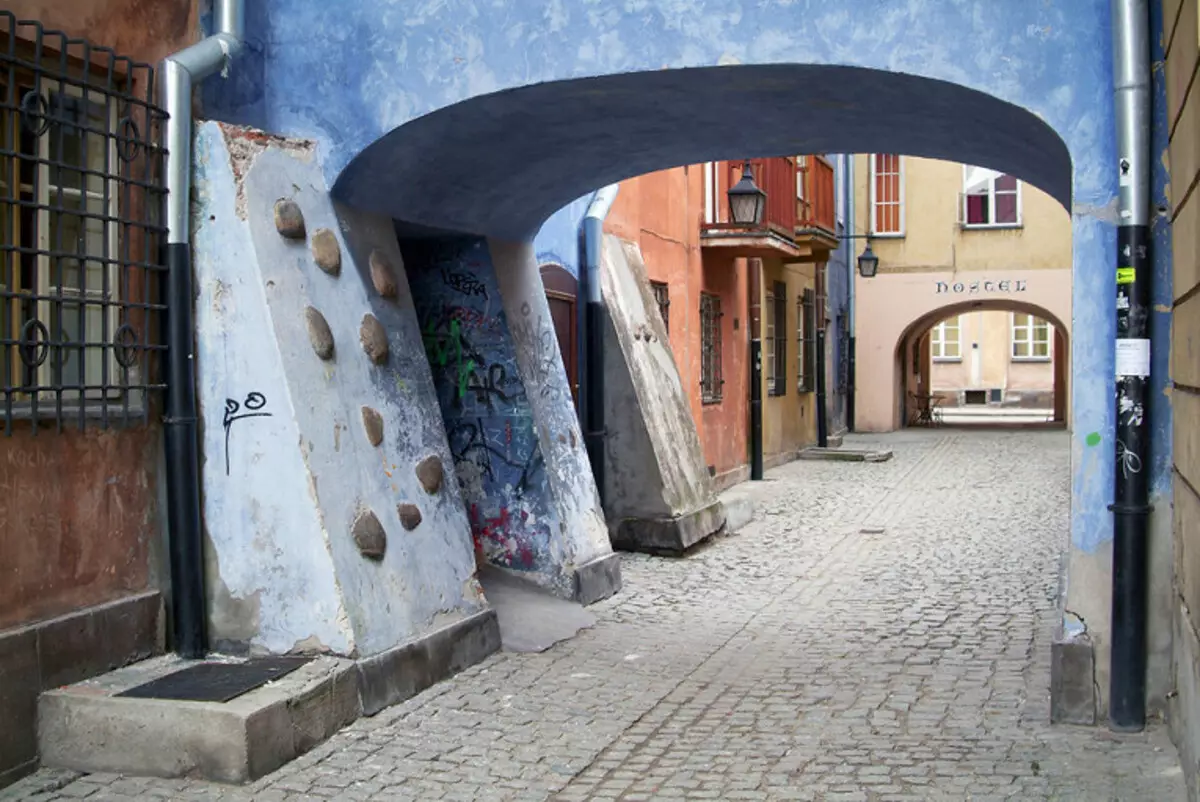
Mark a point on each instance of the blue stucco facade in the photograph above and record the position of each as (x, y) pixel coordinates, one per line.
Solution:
(489, 118)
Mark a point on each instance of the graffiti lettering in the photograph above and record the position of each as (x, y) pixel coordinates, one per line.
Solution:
(252, 407)
(468, 444)
(464, 283)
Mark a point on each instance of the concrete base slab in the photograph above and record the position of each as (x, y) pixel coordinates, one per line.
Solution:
(531, 620)
(87, 727)
(669, 535)
(1072, 681)
(847, 454)
(401, 673)
(598, 579)
(739, 508)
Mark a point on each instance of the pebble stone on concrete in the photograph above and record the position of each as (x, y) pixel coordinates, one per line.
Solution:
(801, 658)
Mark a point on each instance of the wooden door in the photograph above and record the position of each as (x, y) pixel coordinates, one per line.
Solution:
(562, 290)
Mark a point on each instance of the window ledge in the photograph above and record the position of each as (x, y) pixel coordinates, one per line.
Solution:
(710, 402)
(947, 359)
(893, 235)
(48, 412)
(1032, 359)
(991, 226)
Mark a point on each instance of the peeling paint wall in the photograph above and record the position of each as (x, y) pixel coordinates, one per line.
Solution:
(289, 464)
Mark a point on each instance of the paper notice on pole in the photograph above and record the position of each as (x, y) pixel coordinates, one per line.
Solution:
(1133, 358)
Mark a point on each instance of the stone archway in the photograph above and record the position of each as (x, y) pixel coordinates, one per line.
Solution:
(912, 352)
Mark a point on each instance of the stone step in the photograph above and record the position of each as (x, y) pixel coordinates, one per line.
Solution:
(88, 727)
(846, 454)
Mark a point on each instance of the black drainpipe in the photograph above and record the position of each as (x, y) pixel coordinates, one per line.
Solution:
(181, 437)
(1131, 507)
(592, 397)
(822, 420)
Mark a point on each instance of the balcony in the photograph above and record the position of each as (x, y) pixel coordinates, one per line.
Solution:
(798, 222)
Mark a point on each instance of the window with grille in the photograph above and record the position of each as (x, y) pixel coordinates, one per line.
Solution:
(945, 340)
(887, 194)
(711, 381)
(1030, 338)
(777, 339)
(80, 190)
(806, 335)
(990, 199)
(662, 296)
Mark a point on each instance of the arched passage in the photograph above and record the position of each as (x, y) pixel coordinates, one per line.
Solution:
(914, 358)
(461, 167)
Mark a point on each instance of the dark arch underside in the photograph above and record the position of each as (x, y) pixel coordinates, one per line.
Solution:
(498, 165)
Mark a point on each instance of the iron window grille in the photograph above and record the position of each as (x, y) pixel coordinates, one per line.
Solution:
(81, 190)
(662, 297)
(778, 302)
(806, 336)
(712, 383)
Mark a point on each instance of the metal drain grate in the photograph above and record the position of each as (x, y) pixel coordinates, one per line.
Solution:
(216, 682)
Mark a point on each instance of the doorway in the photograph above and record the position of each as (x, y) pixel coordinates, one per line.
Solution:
(562, 292)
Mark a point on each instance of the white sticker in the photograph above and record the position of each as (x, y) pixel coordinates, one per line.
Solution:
(1133, 358)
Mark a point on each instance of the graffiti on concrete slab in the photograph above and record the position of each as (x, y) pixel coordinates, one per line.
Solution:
(489, 423)
(531, 332)
(253, 406)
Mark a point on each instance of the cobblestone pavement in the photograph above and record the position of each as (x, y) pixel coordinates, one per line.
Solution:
(880, 632)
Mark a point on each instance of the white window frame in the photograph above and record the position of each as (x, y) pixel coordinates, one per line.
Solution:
(45, 375)
(1022, 331)
(873, 201)
(991, 193)
(938, 341)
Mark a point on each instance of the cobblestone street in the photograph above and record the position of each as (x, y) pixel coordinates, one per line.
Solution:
(879, 632)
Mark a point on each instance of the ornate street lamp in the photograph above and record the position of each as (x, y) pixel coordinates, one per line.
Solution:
(868, 262)
(747, 202)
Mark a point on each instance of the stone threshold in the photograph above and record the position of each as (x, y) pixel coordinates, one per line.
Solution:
(86, 727)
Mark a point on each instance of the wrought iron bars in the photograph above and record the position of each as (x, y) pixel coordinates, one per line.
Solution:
(80, 197)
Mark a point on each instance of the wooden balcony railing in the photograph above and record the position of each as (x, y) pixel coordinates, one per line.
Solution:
(815, 198)
(776, 176)
(800, 195)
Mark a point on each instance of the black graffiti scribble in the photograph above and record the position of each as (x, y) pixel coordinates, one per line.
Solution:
(468, 443)
(464, 283)
(253, 404)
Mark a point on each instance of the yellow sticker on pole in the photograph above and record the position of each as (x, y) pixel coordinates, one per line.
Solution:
(1125, 275)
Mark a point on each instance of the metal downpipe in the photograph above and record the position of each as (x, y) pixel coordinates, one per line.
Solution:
(1130, 508)
(592, 234)
(181, 437)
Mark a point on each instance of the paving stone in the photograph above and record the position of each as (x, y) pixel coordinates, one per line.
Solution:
(794, 661)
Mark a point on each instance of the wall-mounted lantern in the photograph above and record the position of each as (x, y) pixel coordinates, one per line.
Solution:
(747, 203)
(868, 262)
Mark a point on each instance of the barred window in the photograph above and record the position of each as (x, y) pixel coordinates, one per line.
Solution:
(777, 339)
(80, 189)
(662, 296)
(711, 381)
(806, 334)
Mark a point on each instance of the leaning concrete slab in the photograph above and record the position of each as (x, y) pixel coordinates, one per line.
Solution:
(658, 495)
(88, 727)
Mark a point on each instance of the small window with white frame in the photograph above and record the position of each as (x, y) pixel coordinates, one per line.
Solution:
(945, 340)
(887, 194)
(990, 199)
(1030, 338)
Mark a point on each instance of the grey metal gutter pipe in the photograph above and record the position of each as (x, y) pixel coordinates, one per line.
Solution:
(182, 449)
(1131, 496)
(592, 236)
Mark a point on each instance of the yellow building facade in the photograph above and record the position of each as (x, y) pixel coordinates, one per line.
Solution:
(972, 300)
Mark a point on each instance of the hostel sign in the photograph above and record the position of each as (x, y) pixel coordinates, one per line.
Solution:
(976, 287)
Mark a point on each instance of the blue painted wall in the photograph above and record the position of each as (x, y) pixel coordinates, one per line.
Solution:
(837, 288)
(488, 420)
